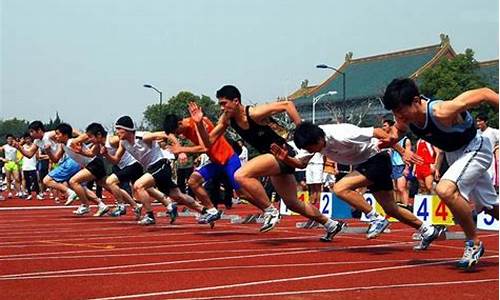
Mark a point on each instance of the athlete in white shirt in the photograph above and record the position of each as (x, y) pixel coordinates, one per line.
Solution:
(492, 135)
(11, 166)
(92, 169)
(352, 145)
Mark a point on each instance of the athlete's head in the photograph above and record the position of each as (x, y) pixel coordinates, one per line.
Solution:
(27, 138)
(403, 98)
(124, 127)
(10, 138)
(229, 98)
(387, 124)
(172, 124)
(309, 136)
(63, 132)
(482, 121)
(96, 133)
(36, 129)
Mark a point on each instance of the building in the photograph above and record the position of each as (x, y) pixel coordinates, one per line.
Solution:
(365, 81)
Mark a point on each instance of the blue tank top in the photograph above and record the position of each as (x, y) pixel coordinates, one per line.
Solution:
(445, 138)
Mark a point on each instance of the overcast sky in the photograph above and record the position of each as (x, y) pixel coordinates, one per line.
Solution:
(88, 59)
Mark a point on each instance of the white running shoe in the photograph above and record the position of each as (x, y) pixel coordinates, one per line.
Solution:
(271, 219)
(40, 196)
(146, 220)
(101, 211)
(71, 197)
(81, 210)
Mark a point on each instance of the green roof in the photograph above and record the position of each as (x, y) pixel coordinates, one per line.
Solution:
(368, 77)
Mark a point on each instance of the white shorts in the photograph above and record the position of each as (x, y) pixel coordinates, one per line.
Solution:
(314, 173)
(469, 171)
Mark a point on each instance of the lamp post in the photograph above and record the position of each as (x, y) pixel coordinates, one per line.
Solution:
(149, 86)
(316, 99)
(343, 85)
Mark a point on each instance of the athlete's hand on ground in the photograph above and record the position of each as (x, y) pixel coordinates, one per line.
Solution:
(279, 152)
(195, 112)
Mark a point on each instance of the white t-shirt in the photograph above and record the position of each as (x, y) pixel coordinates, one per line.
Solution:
(168, 154)
(146, 155)
(46, 140)
(10, 152)
(29, 164)
(492, 135)
(349, 144)
(82, 160)
(126, 159)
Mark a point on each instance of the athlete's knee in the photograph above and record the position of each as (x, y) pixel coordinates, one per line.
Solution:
(195, 181)
(139, 187)
(111, 180)
(340, 189)
(240, 176)
(445, 191)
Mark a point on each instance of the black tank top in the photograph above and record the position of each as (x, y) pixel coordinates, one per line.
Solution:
(457, 137)
(259, 136)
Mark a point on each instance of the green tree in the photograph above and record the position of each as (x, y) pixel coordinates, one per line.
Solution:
(451, 77)
(14, 126)
(155, 113)
(53, 123)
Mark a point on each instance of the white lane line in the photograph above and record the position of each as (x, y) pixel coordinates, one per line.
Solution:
(122, 266)
(273, 281)
(356, 288)
(234, 267)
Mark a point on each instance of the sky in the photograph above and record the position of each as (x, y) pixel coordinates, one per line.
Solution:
(88, 59)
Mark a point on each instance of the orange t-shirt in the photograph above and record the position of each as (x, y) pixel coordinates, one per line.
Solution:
(221, 150)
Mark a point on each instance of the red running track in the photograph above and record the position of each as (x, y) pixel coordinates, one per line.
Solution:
(51, 254)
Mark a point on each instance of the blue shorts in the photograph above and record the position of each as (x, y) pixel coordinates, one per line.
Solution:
(212, 170)
(397, 171)
(66, 169)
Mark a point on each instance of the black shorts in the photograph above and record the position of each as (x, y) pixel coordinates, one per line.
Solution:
(130, 173)
(96, 168)
(378, 169)
(162, 173)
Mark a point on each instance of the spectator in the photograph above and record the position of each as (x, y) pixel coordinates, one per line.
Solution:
(492, 135)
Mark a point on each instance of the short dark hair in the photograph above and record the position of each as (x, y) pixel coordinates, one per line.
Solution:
(65, 129)
(95, 129)
(307, 134)
(400, 91)
(8, 135)
(389, 121)
(482, 117)
(228, 92)
(171, 123)
(27, 135)
(36, 125)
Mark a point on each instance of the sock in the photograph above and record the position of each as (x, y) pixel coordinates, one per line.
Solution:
(427, 230)
(150, 214)
(270, 208)
(204, 210)
(212, 210)
(330, 223)
(169, 207)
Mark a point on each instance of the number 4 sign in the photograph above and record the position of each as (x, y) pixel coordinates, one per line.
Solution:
(432, 210)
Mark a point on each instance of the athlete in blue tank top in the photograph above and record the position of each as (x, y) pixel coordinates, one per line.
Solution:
(448, 126)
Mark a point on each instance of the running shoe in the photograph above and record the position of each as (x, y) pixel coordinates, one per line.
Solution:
(137, 212)
(425, 242)
(271, 219)
(118, 211)
(146, 220)
(472, 253)
(173, 213)
(40, 196)
(333, 231)
(101, 211)
(376, 227)
(81, 210)
(71, 197)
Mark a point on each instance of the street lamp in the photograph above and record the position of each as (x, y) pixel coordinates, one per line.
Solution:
(149, 86)
(316, 99)
(343, 85)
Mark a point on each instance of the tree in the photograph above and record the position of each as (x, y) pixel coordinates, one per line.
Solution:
(14, 126)
(52, 125)
(451, 77)
(154, 114)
